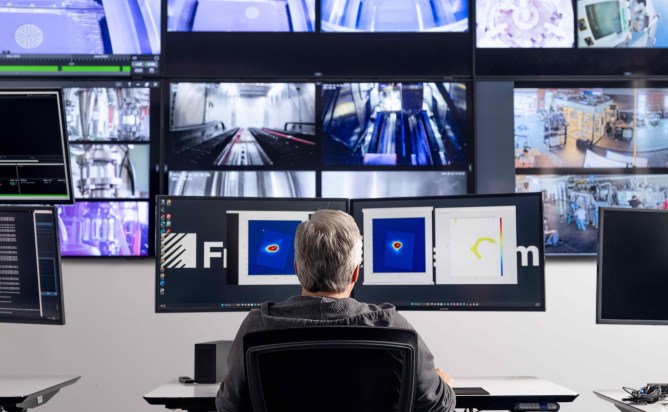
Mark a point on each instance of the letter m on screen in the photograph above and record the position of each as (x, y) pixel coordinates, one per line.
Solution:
(179, 250)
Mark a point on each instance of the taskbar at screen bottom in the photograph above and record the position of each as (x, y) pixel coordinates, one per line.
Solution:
(471, 306)
(208, 307)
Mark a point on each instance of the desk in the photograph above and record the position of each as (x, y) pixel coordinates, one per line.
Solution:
(504, 393)
(615, 397)
(194, 397)
(20, 393)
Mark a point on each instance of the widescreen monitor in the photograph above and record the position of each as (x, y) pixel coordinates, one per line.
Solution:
(632, 267)
(113, 129)
(34, 164)
(31, 290)
(590, 127)
(394, 16)
(228, 254)
(482, 252)
(572, 203)
(80, 37)
(396, 124)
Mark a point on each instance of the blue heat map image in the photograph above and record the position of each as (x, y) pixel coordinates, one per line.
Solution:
(271, 247)
(399, 245)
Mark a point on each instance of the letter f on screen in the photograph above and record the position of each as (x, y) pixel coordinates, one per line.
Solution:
(210, 254)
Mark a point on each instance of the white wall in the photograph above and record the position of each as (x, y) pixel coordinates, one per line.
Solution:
(122, 349)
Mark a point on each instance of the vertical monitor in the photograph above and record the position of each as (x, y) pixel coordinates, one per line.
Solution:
(232, 254)
(33, 156)
(30, 276)
(632, 267)
(482, 252)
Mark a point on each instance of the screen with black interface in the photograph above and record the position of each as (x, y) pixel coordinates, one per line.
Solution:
(632, 267)
(33, 155)
(228, 254)
(481, 252)
(30, 284)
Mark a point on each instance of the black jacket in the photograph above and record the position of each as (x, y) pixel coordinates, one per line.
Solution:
(432, 394)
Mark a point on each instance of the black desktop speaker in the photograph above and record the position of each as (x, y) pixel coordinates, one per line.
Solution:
(211, 361)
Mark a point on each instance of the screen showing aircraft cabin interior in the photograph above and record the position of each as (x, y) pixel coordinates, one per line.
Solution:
(622, 23)
(233, 254)
(80, 37)
(571, 204)
(241, 139)
(394, 16)
(241, 15)
(524, 24)
(477, 252)
(591, 127)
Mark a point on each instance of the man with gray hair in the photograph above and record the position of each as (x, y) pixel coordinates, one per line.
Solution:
(328, 254)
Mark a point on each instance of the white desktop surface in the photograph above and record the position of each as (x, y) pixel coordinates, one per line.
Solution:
(513, 385)
(615, 397)
(24, 386)
(175, 389)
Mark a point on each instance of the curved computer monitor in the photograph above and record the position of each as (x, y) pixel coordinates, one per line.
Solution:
(482, 252)
(632, 267)
(34, 163)
(232, 254)
(30, 282)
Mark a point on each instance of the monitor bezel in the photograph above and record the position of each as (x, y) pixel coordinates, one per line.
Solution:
(538, 197)
(599, 270)
(43, 321)
(268, 200)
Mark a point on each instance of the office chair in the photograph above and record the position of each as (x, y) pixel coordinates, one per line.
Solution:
(331, 368)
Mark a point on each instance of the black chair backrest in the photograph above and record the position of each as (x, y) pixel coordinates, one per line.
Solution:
(327, 369)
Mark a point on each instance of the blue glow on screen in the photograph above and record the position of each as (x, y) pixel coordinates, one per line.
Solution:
(271, 247)
(399, 245)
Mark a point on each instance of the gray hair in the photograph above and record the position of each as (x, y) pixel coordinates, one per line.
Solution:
(328, 247)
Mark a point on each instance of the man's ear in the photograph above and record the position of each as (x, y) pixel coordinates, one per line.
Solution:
(356, 274)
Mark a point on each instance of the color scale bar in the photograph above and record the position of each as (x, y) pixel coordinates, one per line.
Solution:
(501, 242)
(28, 69)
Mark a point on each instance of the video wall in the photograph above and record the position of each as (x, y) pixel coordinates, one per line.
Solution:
(590, 147)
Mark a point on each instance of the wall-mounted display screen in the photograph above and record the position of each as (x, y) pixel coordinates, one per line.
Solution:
(377, 184)
(242, 183)
(452, 253)
(241, 15)
(622, 23)
(572, 202)
(233, 254)
(80, 37)
(591, 127)
(395, 124)
(524, 24)
(214, 125)
(113, 127)
(394, 16)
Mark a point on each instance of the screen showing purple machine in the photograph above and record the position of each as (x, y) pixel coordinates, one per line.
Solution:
(112, 127)
(80, 37)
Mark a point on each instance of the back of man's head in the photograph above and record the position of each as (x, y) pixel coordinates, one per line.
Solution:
(328, 247)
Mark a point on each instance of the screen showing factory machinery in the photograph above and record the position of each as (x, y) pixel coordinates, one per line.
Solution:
(30, 284)
(233, 254)
(111, 128)
(33, 163)
(80, 37)
(300, 16)
(452, 253)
